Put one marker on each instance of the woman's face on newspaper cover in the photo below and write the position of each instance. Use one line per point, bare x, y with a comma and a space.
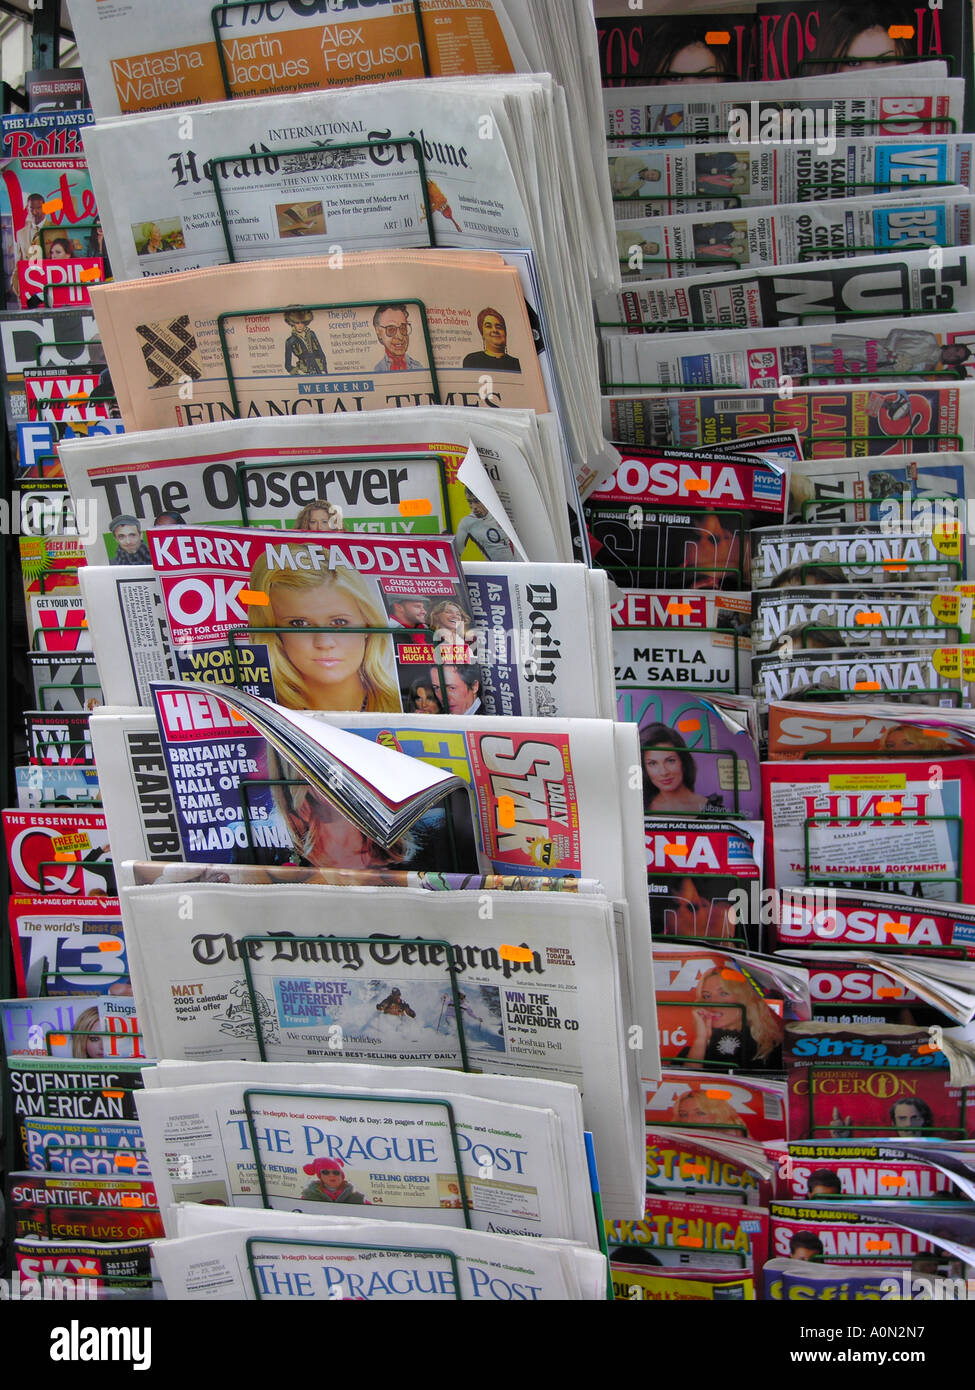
325, 660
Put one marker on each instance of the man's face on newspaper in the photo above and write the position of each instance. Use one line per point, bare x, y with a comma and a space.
393, 331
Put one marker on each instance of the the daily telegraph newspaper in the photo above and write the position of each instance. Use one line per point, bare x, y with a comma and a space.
720, 1107
662, 247
905, 283
73, 1092
874, 553
915, 488
698, 754
660, 636
716, 1007
231, 597
67, 945
879, 921
561, 1101
294, 48
226, 1254
426, 996
899, 825
791, 619
412, 481
813, 354
163, 342
64, 852
871, 1079
657, 180
935, 676
676, 517
448, 1160
877, 103
835, 729
832, 421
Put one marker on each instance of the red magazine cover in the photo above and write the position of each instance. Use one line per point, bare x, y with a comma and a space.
848, 1081
691, 1165
75, 1208
743, 1106
58, 851
809, 1231
825, 1170
871, 921
705, 1235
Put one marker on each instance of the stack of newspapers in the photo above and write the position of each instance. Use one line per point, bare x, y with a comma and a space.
789, 375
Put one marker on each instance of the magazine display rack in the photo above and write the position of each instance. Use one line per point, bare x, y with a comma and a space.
328, 156
225, 318
452, 1001
445, 1105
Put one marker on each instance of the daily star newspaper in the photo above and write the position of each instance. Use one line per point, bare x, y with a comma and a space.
163, 341
662, 247
560, 1016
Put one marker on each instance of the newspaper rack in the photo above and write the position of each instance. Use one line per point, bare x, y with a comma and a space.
736, 638
378, 460
323, 152
256, 1283
371, 1098
693, 137
336, 1053
217, 10
838, 878
227, 315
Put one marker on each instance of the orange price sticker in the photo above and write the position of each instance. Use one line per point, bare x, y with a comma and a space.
89, 272
869, 619
88, 1269
416, 506
506, 812
83, 623
113, 1095
57, 1039
888, 1181
689, 726
683, 609
890, 992
516, 953
251, 599
52, 205
887, 808
715, 38
109, 945
901, 31
696, 1170
676, 851
927, 1048
895, 565
694, 1242
131, 1199
63, 856
694, 485
867, 685
718, 1095
125, 1160
876, 1245
732, 975
897, 928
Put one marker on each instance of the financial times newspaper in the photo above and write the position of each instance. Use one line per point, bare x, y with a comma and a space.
910, 282
394, 1002
663, 247
649, 179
